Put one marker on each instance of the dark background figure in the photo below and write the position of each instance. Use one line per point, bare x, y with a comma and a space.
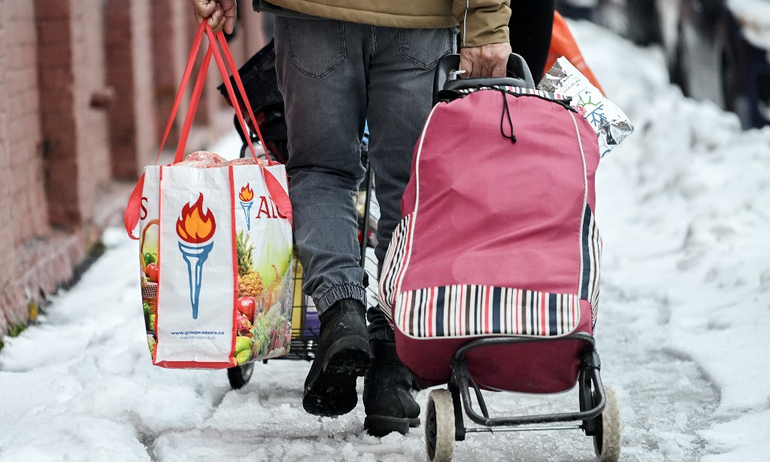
530, 29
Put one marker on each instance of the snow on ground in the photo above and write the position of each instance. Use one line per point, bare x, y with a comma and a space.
685, 204
682, 205
754, 18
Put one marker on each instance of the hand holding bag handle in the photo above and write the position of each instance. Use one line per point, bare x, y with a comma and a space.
278, 194
445, 88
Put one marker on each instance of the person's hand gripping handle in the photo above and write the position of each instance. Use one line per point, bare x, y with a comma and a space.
484, 61
220, 14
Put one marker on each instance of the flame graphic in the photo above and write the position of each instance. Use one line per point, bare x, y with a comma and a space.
246, 194
193, 226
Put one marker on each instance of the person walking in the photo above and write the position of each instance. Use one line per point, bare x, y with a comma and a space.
341, 63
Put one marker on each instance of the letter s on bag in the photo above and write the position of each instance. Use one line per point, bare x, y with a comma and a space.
143, 214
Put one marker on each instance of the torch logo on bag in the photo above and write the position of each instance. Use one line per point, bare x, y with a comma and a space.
246, 197
195, 229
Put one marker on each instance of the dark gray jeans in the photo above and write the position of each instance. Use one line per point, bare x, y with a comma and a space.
334, 76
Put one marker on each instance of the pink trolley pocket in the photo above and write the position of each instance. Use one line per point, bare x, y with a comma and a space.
491, 280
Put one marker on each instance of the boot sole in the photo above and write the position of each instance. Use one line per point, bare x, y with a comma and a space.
378, 425
332, 391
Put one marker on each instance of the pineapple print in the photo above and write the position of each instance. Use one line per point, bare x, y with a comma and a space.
249, 281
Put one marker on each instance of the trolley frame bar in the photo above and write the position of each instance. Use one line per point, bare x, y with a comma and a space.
461, 381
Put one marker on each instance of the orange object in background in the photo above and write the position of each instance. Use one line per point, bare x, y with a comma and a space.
563, 44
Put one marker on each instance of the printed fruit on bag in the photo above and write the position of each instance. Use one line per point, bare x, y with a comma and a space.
151, 343
260, 336
256, 345
147, 313
249, 281
247, 306
268, 334
242, 343
152, 272
275, 249
243, 325
273, 292
242, 349
243, 356
149, 258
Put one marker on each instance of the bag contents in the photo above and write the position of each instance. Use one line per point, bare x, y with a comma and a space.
207, 159
610, 123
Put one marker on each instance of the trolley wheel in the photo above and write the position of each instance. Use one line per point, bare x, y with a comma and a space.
440, 426
607, 439
240, 375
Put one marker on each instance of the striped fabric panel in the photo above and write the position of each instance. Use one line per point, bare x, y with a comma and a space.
473, 310
590, 262
393, 265
519, 91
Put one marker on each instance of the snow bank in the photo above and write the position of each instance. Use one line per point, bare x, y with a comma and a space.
688, 225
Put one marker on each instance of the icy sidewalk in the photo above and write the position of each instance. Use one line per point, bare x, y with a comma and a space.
81, 386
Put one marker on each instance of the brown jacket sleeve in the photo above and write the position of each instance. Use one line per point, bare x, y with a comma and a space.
482, 21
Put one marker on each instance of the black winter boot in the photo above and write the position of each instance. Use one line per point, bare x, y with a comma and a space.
388, 402
343, 355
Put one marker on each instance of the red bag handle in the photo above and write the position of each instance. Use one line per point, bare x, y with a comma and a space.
239, 83
197, 91
133, 208
278, 194
195, 96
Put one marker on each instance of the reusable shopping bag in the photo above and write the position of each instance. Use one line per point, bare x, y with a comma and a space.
498, 236
215, 242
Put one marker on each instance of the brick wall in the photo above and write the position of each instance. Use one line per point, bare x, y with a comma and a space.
13, 309
71, 73
88, 62
29, 214
6, 245
56, 80
73, 89
146, 114
129, 75
170, 45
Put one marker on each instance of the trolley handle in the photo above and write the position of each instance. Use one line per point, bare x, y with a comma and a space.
446, 87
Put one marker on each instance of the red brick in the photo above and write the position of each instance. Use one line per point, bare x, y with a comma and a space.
53, 32
52, 9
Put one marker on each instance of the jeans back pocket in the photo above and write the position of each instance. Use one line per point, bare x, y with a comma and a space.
424, 47
316, 46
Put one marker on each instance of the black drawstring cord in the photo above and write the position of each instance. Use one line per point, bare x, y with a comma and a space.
506, 111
